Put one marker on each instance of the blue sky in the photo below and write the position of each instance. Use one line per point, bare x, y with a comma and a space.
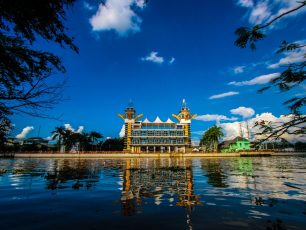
161, 52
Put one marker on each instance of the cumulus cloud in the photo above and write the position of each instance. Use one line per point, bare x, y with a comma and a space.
262, 11
227, 94
243, 111
153, 57
122, 131
238, 69
215, 117
69, 127
263, 79
80, 129
141, 3
290, 58
117, 15
25, 131
232, 129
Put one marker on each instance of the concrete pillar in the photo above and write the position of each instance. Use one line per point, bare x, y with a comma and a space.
169, 149
184, 149
147, 149
154, 148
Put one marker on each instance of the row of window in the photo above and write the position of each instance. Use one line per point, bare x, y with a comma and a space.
157, 127
158, 141
158, 133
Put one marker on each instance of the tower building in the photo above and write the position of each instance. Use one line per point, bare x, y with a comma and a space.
153, 136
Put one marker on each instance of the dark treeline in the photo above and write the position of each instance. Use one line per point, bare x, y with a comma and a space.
64, 140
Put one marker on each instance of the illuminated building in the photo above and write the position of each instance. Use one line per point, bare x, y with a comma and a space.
168, 136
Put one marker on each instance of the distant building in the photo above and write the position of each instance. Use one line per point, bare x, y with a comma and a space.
235, 145
35, 141
168, 136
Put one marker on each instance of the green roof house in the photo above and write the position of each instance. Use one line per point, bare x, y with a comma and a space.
235, 145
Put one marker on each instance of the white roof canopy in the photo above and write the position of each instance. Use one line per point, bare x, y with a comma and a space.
146, 121
158, 120
169, 121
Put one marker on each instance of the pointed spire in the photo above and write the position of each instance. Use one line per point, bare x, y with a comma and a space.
184, 104
130, 104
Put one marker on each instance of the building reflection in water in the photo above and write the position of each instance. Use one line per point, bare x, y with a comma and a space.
166, 181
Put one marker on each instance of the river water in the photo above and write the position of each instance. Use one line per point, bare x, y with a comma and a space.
177, 193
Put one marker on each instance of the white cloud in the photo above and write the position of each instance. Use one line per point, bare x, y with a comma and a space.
243, 111
172, 60
117, 15
122, 131
232, 129
153, 57
290, 57
25, 131
198, 132
141, 3
262, 11
69, 127
80, 129
215, 117
259, 13
245, 3
227, 94
263, 79
239, 69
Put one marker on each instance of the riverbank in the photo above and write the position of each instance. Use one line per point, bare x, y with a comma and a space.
145, 155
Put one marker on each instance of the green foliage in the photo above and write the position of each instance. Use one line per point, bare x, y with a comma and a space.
248, 36
115, 144
5, 128
211, 138
69, 139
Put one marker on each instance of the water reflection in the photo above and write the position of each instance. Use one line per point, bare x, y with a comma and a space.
166, 181
180, 193
81, 173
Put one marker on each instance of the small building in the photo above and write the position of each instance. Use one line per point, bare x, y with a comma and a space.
235, 145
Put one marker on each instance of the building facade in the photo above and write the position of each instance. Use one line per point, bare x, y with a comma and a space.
235, 145
157, 136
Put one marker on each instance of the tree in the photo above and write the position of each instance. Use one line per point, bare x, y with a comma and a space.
211, 138
59, 134
5, 128
94, 138
24, 68
111, 144
291, 76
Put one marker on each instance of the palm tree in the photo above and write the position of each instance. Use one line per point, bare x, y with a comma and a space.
211, 137
58, 134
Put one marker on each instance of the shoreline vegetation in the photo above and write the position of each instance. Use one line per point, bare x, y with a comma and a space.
116, 154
